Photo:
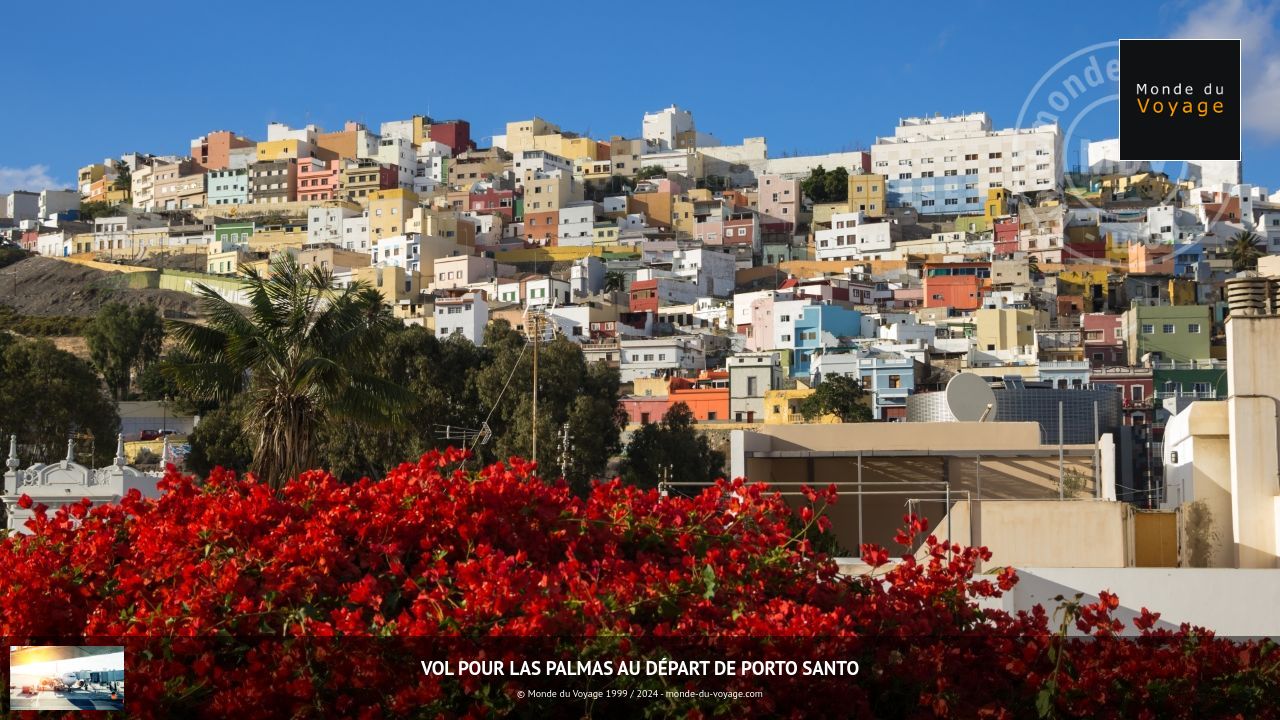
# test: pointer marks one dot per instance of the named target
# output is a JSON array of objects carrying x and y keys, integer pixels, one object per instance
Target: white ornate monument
[{"x": 67, "y": 482}]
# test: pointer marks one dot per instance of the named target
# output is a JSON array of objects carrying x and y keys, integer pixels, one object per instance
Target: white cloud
[
  {"x": 34, "y": 178},
  {"x": 1254, "y": 24}
]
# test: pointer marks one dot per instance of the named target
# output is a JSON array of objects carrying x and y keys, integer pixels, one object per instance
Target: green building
[
  {"x": 232, "y": 234},
  {"x": 1168, "y": 332}
]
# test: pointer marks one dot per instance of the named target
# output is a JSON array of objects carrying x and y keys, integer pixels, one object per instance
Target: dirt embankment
[{"x": 45, "y": 286}]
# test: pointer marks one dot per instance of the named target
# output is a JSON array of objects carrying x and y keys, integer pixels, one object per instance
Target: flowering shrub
[{"x": 320, "y": 601}]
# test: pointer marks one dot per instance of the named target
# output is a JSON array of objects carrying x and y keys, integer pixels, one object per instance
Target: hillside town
[{"x": 1090, "y": 297}]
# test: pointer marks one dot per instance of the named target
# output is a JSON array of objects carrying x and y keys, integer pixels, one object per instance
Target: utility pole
[{"x": 534, "y": 317}]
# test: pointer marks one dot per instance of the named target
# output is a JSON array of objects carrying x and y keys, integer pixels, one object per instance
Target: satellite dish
[{"x": 970, "y": 398}]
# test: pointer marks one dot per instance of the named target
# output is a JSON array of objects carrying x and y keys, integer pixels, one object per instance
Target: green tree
[
  {"x": 46, "y": 394},
  {"x": 651, "y": 171},
  {"x": 304, "y": 354},
  {"x": 671, "y": 449},
  {"x": 437, "y": 374},
  {"x": 614, "y": 281},
  {"x": 124, "y": 340},
  {"x": 124, "y": 177},
  {"x": 823, "y": 187},
  {"x": 838, "y": 395},
  {"x": 1244, "y": 249},
  {"x": 220, "y": 441},
  {"x": 571, "y": 391}
]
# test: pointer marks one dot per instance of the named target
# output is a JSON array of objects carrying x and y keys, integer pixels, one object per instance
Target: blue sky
[{"x": 90, "y": 80}]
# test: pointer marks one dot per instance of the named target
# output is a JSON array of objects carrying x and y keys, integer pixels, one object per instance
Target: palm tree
[
  {"x": 1244, "y": 249},
  {"x": 302, "y": 352}
]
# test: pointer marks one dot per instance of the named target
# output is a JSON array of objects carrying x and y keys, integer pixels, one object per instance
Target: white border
[{"x": 1239, "y": 90}]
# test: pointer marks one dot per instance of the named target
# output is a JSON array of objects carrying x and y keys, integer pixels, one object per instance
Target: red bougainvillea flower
[{"x": 321, "y": 600}]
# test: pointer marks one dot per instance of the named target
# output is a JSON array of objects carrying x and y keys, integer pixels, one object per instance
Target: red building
[
  {"x": 454, "y": 133},
  {"x": 644, "y": 296},
  {"x": 494, "y": 202},
  {"x": 960, "y": 286},
  {"x": 1005, "y": 235},
  {"x": 1104, "y": 339}
]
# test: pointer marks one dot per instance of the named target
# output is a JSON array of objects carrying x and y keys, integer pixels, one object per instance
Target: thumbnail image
[{"x": 66, "y": 677}]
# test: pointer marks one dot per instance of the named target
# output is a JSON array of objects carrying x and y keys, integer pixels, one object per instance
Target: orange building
[
  {"x": 956, "y": 285},
  {"x": 213, "y": 151},
  {"x": 1152, "y": 259},
  {"x": 542, "y": 228}
]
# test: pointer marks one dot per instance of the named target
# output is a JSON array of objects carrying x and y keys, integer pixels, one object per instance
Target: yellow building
[
  {"x": 997, "y": 204},
  {"x": 521, "y": 134},
  {"x": 1148, "y": 186},
  {"x": 1078, "y": 280},
  {"x": 274, "y": 238},
  {"x": 390, "y": 212},
  {"x": 867, "y": 194},
  {"x": 782, "y": 407},
  {"x": 605, "y": 234},
  {"x": 1006, "y": 328},
  {"x": 395, "y": 284},
  {"x": 283, "y": 149},
  {"x": 88, "y": 175}
]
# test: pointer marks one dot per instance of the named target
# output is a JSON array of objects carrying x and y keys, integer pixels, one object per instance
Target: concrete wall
[
  {"x": 1180, "y": 595},
  {"x": 1200, "y": 482},
  {"x": 1045, "y": 533},
  {"x": 1253, "y": 374}
]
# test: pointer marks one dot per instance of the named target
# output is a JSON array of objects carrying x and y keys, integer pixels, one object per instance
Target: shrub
[{"x": 319, "y": 601}]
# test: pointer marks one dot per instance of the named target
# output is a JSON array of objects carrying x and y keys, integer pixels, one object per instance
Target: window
[
  {"x": 927, "y": 174},
  {"x": 949, "y": 173},
  {"x": 1193, "y": 328},
  {"x": 994, "y": 169},
  {"x": 711, "y": 415},
  {"x": 895, "y": 381},
  {"x": 952, "y": 201},
  {"x": 1136, "y": 392},
  {"x": 904, "y": 176},
  {"x": 926, "y": 203},
  {"x": 971, "y": 171},
  {"x": 1148, "y": 329},
  {"x": 973, "y": 156},
  {"x": 993, "y": 156},
  {"x": 1167, "y": 328},
  {"x": 1119, "y": 332},
  {"x": 1202, "y": 389}
]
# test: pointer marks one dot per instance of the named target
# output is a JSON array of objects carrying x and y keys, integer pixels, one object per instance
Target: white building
[
  {"x": 654, "y": 357},
  {"x": 851, "y": 237},
  {"x": 946, "y": 165},
  {"x": 63, "y": 483},
  {"x": 461, "y": 271},
  {"x": 23, "y": 205},
  {"x": 465, "y": 315},
  {"x": 355, "y": 232},
  {"x": 751, "y": 375},
  {"x": 1104, "y": 159},
  {"x": 53, "y": 202},
  {"x": 714, "y": 272},
  {"x": 403, "y": 251},
  {"x": 664, "y": 128},
  {"x": 324, "y": 223},
  {"x": 577, "y": 224}
]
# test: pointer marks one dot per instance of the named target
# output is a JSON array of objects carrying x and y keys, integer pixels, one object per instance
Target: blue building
[
  {"x": 946, "y": 195},
  {"x": 888, "y": 378},
  {"x": 822, "y": 326}
]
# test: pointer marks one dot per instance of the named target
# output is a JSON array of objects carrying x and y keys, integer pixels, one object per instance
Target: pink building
[
  {"x": 779, "y": 201},
  {"x": 317, "y": 180},
  {"x": 760, "y": 332}
]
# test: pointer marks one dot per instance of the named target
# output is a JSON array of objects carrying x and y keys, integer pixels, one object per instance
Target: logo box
[{"x": 1180, "y": 100}]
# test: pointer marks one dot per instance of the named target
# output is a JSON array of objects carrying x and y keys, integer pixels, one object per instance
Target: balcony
[
  {"x": 1189, "y": 365},
  {"x": 1210, "y": 394}
]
